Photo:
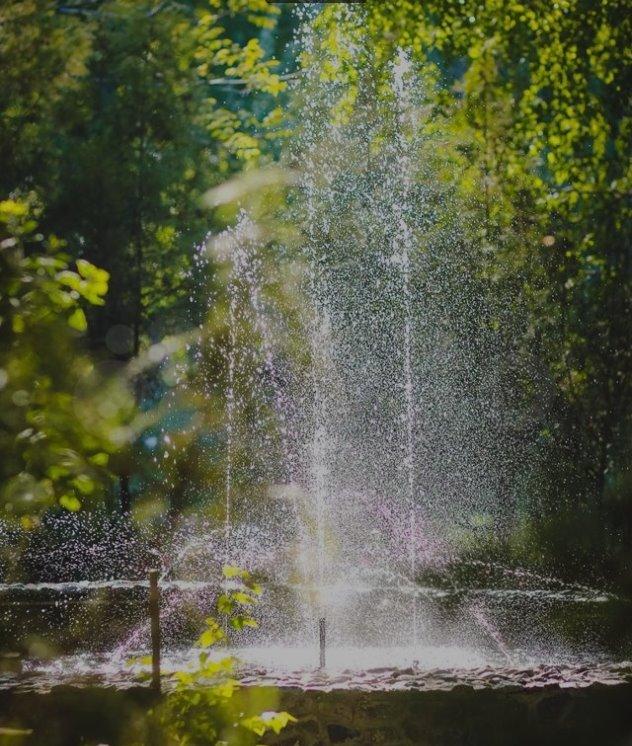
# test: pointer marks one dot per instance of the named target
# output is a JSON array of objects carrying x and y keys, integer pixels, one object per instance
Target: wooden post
[
  {"x": 154, "y": 615},
  {"x": 322, "y": 628}
]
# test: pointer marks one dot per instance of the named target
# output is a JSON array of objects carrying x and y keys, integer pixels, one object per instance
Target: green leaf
[
  {"x": 77, "y": 320},
  {"x": 240, "y": 622},
  {"x": 225, "y": 604},
  {"x": 274, "y": 721},
  {"x": 70, "y": 502},
  {"x": 232, "y": 571},
  {"x": 99, "y": 459},
  {"x": 240, "y": 597},
  {"x": 84, "y": 484},
  {"x": 211, "y": 635}
]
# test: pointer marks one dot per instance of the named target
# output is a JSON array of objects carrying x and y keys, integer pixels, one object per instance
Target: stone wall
[{"x": 598, "y": 715}]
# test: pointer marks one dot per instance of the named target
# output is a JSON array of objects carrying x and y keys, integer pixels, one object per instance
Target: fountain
[{"x": 352, "y": 471}]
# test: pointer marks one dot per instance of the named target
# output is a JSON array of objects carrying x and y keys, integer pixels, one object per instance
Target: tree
[
  {"x": 533, "y": 96},
  {"x": 60, "y": 420},
  {"x": 123, "y": 113},
  {"x": 145, "y": 111},
  {"x": 43, "y": 56},
  {"x": 154, "y": 134}
]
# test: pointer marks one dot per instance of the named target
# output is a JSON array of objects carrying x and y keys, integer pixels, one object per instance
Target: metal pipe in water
[
  {"x": 322, "y": 630},
  {"x": 154, "y": 615}
]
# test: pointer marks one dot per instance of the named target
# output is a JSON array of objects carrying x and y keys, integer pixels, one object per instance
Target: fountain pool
[{"x": 358, "y": 475}]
